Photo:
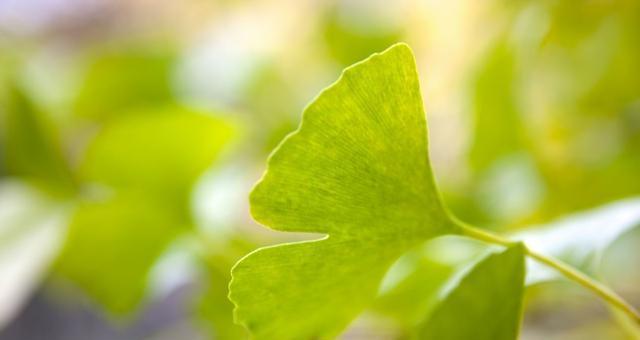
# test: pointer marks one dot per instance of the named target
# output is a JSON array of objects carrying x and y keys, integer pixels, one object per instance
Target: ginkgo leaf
[
  {"x": 357, "y": 170},
  {"x": 488, "y": 298}
]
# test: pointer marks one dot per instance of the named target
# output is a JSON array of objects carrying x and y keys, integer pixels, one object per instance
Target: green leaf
[
  {"x": 146, "y": 163},
  {"x": 159, "y": 152},
  {"x": 115, "y": 83},
  {"x": 497, "y": 130},
  {"x": 358, "y": 170},
  {"x": 111, "y": 246},
  {"x": 414, "y": 284},
  {"x": 213, "y": 308},
  {"x": 31, "y": 146},
  {"x": 486, "y": 304},
  {"x": 579, "y": 240},
  {"x": 414, "y": 295}
]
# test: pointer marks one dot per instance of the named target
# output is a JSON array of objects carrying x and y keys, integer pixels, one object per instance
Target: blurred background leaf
[
  {"x": 32, "y": 147},
  {"x": 112, "y": 245},
  {"x": 144, "y": 165},
  {"x": 160, "y": 153},
  {"x": 117, "y": 81}
]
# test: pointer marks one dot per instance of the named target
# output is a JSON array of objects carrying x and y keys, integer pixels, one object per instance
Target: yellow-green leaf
[
  {"x": 141, "y": 167},
  {"x": 357, "y": 170}
]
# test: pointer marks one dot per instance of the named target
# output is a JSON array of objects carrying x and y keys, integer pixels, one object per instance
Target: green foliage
[
  {"x": 357, "y": 170},
  {"x": 581, "y": 100},
  {"x": 425, "y": 272},
  {"x": 143, "y": 166},
  {"x": 389, "y": 204},
  {"x": 159, "y": 152},
  {"x": 497, "y": 122},
  {"x": 344, "y": 138},
  {"x": 536, "y": 118},
  {"x": 31, "y": 146},
  {"x": 122, "y": 236},
  {"x": 426, "y": 278},
  {"x": 339, "y": 174},
  {"x": 213, "y": 307},
  {"x": 117, "y": 82},
  {"x": 488, "y": 299},
  {"x": 579, "y": 240}
]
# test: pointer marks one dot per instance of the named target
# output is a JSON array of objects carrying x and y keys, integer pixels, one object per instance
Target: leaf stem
[{"x": 568, "y": 271}]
